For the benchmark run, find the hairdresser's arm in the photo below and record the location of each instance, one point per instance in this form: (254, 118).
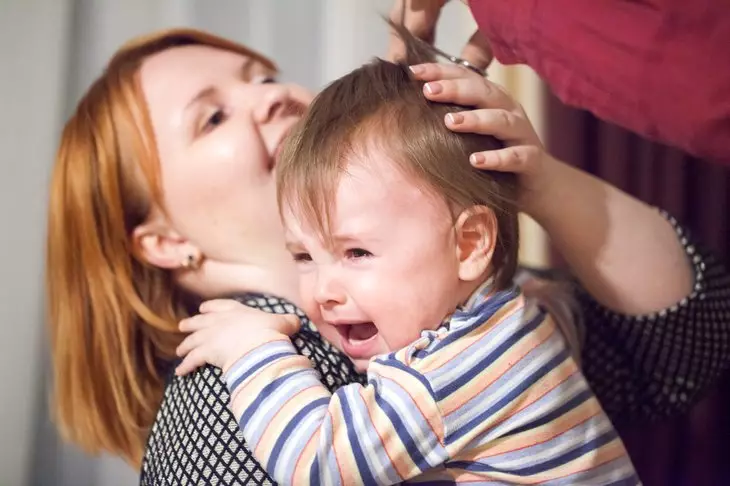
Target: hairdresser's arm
(623, 251)
(650, 66)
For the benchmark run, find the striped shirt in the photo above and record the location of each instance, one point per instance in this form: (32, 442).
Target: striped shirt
(492, 397)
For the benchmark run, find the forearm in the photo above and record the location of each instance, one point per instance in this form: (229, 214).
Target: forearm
(304, 435)
(624, 252)
(262, 384)
(658, 366)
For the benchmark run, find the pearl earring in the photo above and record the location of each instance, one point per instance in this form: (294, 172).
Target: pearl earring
(190, 262)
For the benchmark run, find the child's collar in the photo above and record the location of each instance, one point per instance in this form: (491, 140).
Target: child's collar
(484, 295)
(478, 296)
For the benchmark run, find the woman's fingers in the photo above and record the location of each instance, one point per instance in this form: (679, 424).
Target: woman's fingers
(519, 159)
(505, 125)
(470, 91)
(477, 51)
(419, 17)
(434, 71)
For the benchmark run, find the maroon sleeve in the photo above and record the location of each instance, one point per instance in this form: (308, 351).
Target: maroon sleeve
(660, 68)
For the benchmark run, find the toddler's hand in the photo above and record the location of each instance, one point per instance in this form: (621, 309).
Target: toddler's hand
(225, 330)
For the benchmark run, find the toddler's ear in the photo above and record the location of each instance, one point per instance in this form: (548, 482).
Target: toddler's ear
(476, 238)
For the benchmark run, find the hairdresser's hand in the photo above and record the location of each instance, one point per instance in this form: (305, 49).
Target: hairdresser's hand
(420, 18)
(496, 114)
(225, 330)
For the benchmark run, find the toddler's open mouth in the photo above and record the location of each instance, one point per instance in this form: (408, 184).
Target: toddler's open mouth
(358, 340)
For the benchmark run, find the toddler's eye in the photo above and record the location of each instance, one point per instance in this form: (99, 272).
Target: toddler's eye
(302, 257)
(358, 253)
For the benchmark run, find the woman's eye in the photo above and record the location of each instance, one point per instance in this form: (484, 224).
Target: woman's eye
(358, 253)
(217, 118)
(302, 257)
(263, 80)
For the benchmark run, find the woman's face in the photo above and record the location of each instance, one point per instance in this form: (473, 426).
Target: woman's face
(219, 119)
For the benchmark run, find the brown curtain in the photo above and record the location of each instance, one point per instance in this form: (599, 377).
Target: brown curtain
(688, 450)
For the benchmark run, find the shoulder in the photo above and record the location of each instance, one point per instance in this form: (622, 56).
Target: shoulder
(194, 430)
(195, 434)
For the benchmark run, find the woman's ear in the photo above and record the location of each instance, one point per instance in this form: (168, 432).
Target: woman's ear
(476, 239)
(157, 243)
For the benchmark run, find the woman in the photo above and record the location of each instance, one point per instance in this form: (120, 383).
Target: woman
(163, 195)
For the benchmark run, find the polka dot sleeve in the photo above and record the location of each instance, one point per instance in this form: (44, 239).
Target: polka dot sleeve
(654, 366)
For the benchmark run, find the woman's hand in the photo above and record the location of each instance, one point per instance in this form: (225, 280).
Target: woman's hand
(420, 18)
(623, 251)
(225, 330)
(496, 114)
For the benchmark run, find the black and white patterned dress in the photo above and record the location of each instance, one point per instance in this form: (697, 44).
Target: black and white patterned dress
(640, 368)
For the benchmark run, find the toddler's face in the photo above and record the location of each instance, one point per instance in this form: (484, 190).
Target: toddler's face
(392, 270)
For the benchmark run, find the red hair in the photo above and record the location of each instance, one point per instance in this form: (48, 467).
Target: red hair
(113, 318)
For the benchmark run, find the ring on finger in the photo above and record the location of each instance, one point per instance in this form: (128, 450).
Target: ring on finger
(468, 65)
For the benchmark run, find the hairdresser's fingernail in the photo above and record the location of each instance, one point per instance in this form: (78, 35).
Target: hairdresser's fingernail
(477, 159)
(434, 88)
(455, 118)
(417, 69)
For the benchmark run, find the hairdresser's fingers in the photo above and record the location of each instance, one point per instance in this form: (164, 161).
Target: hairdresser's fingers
(219, 305)
(419, 17)
(433, 71)
(470, 91)
(510, 127)
(520, 159)
(396, 48)
(477, 51)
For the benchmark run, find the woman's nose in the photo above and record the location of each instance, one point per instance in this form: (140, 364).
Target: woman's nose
(275, 99)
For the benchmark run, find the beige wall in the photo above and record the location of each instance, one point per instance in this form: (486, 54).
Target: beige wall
(526, 86)
(32, 58)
